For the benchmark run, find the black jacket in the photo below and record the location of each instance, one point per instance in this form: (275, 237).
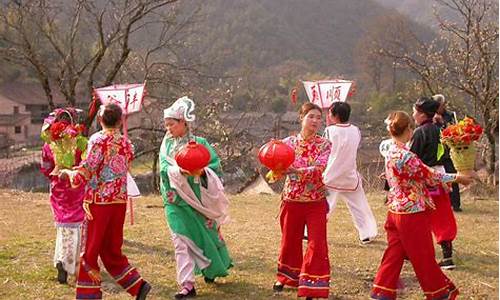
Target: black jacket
(425, 141)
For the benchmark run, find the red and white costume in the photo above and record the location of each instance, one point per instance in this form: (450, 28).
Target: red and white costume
(105, 171)
(304, 203)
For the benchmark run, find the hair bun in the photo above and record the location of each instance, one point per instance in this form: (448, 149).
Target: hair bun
(397, 122)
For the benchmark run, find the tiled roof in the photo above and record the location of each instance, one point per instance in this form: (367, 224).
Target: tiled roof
(28, 94)
(12, 120)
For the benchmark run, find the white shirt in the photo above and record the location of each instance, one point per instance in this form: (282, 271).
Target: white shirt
(341, 171)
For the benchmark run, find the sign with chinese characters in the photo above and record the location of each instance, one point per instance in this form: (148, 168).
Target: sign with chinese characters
(128, 96)
(324, 92)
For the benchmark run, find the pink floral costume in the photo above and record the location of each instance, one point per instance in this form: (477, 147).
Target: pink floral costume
(68, 212)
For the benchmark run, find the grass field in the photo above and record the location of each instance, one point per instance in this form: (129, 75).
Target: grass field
(27, 240)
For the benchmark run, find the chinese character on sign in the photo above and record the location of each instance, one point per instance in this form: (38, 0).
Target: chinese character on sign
(333, 94)
(112, 99)
(134, 99)
(128, 96)
(314, 93)
(325, 92)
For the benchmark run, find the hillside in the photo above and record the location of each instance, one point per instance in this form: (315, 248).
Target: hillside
(322, 33)
(419, 10)
(270, 37)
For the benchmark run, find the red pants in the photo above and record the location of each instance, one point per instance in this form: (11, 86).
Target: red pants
(409, 236)
(104, 238)
(310, 273)
(444, 226)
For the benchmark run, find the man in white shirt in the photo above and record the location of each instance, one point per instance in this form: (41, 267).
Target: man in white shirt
(341, 176)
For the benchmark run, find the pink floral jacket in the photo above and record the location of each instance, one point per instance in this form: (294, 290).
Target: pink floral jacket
(311, 157)
(66, 201)
(408, 176)
(106, 166)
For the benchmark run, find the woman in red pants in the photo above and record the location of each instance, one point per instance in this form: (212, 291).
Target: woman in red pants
(304, 204)
(408, 223)
(105, 204)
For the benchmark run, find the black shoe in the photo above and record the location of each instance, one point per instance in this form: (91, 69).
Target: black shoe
(143, 291)
(62, 275)
(209, 280)
(309, 298)
(447, 264)
(365, 241)
(457, 209)
(278, 287)
(190, 294)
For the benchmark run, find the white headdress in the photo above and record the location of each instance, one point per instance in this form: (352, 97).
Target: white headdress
(181, 109)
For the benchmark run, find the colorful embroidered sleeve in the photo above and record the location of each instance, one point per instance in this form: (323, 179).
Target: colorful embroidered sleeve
(129, 151)
(411, 166)
(95, 157)
(311, 156)
(320, 162)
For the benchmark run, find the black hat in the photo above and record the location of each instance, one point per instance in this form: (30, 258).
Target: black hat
(427, 105)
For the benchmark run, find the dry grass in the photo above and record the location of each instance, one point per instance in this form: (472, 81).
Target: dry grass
(27, 241)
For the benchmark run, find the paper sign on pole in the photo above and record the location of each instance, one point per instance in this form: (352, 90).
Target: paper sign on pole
(128, 96)
(324, 92)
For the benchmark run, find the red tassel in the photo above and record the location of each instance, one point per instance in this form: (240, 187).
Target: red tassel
(93, 107)
(293, 96)
(352, 90)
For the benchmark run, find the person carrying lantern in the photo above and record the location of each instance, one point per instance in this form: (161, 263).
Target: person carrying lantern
(425, 143)
(341, 176)
(67, 202)
(304, 204)
(194, 200)
(104, 174)
(408, 228)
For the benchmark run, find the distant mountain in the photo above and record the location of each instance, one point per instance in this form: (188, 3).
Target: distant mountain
(419, 10)
(322, 33)
(271, 36)
(423, 11)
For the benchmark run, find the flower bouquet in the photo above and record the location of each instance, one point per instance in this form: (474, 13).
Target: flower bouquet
(64, 139)
(460, 138)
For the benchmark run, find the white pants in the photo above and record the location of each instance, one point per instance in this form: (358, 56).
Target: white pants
(67, 249)
(187, 256)
(360, 210)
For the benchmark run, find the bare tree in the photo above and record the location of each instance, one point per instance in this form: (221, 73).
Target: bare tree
(464, 57)
(71, 45)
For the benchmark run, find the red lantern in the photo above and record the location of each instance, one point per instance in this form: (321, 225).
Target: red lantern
(276, 155)
(193, 157)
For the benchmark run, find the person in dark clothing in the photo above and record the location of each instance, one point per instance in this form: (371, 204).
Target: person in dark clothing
(425, 143)
(442, 119)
